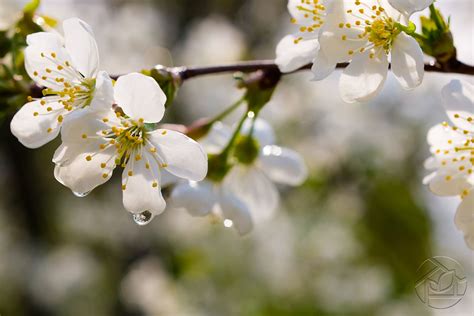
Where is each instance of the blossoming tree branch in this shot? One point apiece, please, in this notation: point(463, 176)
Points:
point(228, 172)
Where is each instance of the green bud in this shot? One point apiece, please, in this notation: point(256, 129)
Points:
point(168, 82)
point(260, 87)
point(437, 40)
point(218, 167)
point(246, 150)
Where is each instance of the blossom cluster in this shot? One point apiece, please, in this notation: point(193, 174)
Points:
point(103, 125)
point(372, 36)
point(364, 33)
point(106, 124)
point(452, 148)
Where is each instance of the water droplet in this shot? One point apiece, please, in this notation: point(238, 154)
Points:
point(143, 218)
point(228, 223)
point(79, 194)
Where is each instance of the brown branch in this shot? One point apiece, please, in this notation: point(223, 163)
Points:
point(270, 69)
point(185, 73)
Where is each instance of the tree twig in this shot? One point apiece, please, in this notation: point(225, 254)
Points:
point(186, 73)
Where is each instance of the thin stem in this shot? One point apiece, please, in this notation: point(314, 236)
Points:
point(227, 111)
point(232, 140)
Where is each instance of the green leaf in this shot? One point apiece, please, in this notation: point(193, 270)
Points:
point(5, 44)
point(31, 7)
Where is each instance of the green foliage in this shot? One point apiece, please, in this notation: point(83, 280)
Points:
point(14, 81)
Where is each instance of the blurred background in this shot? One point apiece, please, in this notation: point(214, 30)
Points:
point(348, 242)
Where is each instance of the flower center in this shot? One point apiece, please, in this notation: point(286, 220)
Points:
point(74, 96)
point(76, 91)
point(377, 30)
point(128, 139)
point(382, 32)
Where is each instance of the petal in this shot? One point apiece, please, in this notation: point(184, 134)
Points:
point(181, 155)
point(168, 179)
point(45, 39)
point(86, 169)
point(331, 39)
point(198, 198)
point(262, 131)
point(464, 219)
point(408, 7)
point(407, 61)
point(444, 137)
point(283, 165)
point(40, 63)
point(34, 125)
point(140, 96)
point(217, 138)
point(445, 184)
point(322, 66)
point(364, 77)
point(81, 45)
point(254, 189)
point(458, 100)
point(84, 122)
point(103, 94)
point(291, 56)
point(141, 186)
point(234, 209)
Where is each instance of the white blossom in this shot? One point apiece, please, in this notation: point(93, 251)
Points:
point(366, 33)
point(95, 142)
point(247, 194)
point(68, 68)
point(452, 147)
point(297, 50)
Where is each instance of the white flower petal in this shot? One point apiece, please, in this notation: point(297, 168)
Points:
point(81, 45)
point(440, 185)
point(140, 96)
point(83, 171)
point(364, 77)
point(198, 198)
point(407, 61)
point(234, 209)
point(34, 125)
point(103, 94)
point(168, 179)
point(253, 188)
point(322, 66)
point(458, 100)
point(141, 186)
point(217, 138)
point(464, 219)
point(40, 64)
point(291, 56)
point(432, 163)
point(262, 131)
point(336, 49)
point(84, 122)
point(283, 165)
point(45, 39)
point(408, 7)
point(440, 137)
point(182, 156)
